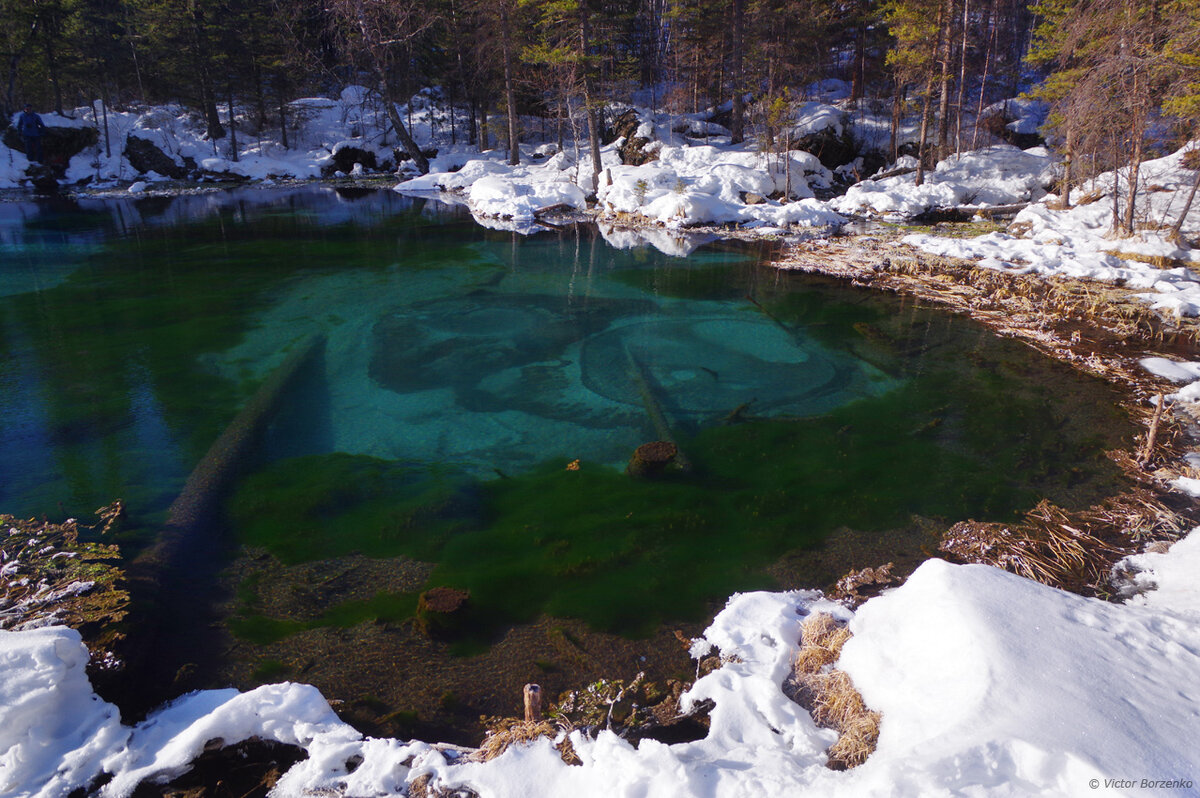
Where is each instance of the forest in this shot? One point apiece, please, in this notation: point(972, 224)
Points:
point(1121, 76)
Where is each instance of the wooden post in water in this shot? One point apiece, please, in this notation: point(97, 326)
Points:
point(533, 703)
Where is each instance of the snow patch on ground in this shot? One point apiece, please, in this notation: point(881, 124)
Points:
point(988, 684)
point(1078, 242)
point(999, 175)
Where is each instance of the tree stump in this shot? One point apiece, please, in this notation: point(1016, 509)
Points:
point(652, 459)
point(439, 609)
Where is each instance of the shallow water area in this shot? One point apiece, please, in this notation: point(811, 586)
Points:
point(467, 425)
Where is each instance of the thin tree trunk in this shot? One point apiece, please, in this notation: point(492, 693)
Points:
point(1068, 166)
point(104, 113)
point(927, 105)
point(962, 77)
point(858, 75)
point(510, 95)
point(945, 37)
point(484, 136)
point(233, 145)
point(283, 121)
point(987, 60)
point(589, 99)
point(737, 121)
point(1135, 163)
point(1177, 228)
point(898, 101)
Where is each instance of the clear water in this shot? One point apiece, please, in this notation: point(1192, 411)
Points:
point(469, 422)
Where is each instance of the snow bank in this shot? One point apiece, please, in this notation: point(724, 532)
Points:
point(989, 684)
point(1167, 580)
point(318, 127)
point(999, 175)
point(1077, 243)
point(54, 731)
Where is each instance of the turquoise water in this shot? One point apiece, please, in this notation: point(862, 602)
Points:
point(480, 393)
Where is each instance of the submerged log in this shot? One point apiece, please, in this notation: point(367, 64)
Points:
point(637, 373)
point(214, 474)
point(652, 459)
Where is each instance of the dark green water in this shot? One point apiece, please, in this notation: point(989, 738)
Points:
point(465, 369)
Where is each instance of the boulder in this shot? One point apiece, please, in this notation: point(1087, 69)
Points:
point(145, 156)
point(344, 159)
point(59, 144)
point(632, 150)
point(831, 149)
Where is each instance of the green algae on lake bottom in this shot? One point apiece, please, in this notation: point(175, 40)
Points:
point(970, 435)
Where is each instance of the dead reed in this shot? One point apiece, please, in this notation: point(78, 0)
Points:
point(505, 732)
point(1071, 550)
point(829, 694)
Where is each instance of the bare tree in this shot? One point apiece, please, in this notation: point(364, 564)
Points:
point(379, 33)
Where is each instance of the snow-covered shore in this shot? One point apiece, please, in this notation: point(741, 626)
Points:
point(988, 684)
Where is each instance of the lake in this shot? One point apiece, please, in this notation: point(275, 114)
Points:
point(467, 424)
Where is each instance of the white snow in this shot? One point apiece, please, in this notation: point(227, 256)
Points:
point(998, 175)
point(988, 684)
point(1078, 243)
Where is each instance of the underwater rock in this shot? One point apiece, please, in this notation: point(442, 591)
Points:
point(439, 610)
point(652, 459)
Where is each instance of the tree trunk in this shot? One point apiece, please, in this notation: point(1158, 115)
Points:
point(510, 95)
point(926, 106)
point(406, 140)
point(898, 101)
point(858, 76)
point(1135, 163)
point(233, 145)
point(987, 60)
point(52, 64)
point(1177, 228)
point(962, 77)
point(588, 98)
point(1068, 166)
point(737, 121)
point(484, 136)
point(945, 36)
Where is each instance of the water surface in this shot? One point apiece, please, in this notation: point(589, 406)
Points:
point(469, 421)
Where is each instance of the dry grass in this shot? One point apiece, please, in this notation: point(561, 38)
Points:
point(1074, 551)
point(505, 732)
point(829, 694)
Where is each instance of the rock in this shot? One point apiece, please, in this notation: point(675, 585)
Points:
point(632, 149)
point(831, 149)
point(145, 156)
point(345, 158)
point(652, 459)
point(251, 767)
point(402, 155)
point(997, 123)
point(59, 144)
point(750, 198)
point(857, 586)
point(43, 177)
point(440, 611)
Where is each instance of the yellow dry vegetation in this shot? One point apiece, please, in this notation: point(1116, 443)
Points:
point(829, 694)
